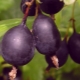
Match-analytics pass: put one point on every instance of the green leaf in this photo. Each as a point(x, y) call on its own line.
point(78, 1)
point(58, 17)
point(34, 70)
point(5, 25)
point(4, 5)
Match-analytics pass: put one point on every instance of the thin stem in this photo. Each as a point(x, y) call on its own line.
point(73, 9)
point(53, 16)
point(72, 18)
point(36, 14)
point(27, 11)
point(48, 68)
point(73, 24)
point(66, 35)
point(38, 11)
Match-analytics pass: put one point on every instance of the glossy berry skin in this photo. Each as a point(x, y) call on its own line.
point(6, 71)
point(18, 45)
point(51, 6)
point(74, 47)
point(23, 7)
point(46, 35)
point(61, 54)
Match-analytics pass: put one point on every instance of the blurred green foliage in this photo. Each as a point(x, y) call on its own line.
point(4, 3)
point(10, 16)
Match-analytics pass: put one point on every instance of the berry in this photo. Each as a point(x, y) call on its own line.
point(74, 47)
point(46, 35)
point(18, 45)
point(60, 57)
point(74, 44)
point(51, 6)
point(23, 7)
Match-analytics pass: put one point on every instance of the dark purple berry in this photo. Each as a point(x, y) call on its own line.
point(51, 6)
point(74, 47)
point(74, 44)
point(60, 57)
point(46, 35)
point(18, 45)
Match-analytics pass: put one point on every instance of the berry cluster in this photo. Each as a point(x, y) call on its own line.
point(19, 43)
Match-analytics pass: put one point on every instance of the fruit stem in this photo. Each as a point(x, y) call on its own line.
point(29, 4)
point(72, 18)
point(66, 35)
point(38, 11)
point(37, 7)
point(53, 16)
point(73, 24)
point(12, 73)
point(73, 10)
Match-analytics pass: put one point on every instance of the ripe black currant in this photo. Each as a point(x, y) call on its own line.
point(18, 45)
point(46, 34)
point(74, 46)
point(60, 57)
point(51, 6)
